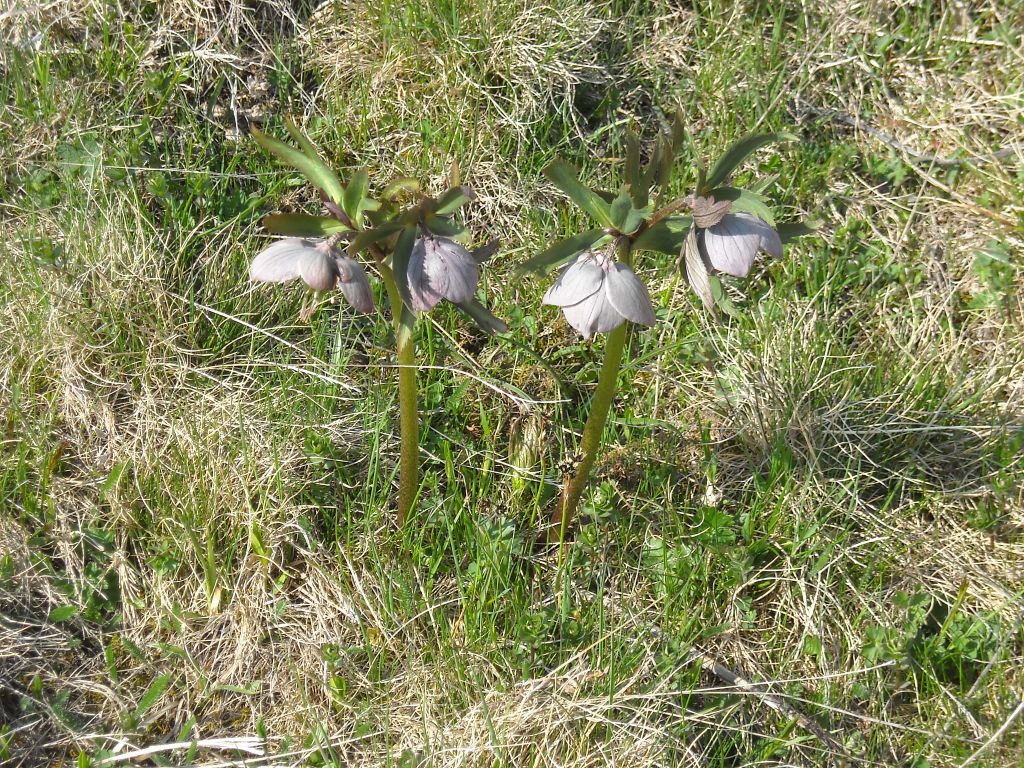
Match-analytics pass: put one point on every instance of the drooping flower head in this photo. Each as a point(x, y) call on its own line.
point(320, 266)
point(440, 268)
point(725, 242)
point(597, 294)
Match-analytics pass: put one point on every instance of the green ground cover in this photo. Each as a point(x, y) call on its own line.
point(822, 495)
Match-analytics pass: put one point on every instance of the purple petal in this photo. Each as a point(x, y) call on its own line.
point(423, 295)
point(580, 279)
point(355, 285)
point(696, 271)
point(731, 245)
point(595, 314)
point(281, 260)
point(628, 296)
point(319, 270)
point(770, 243)
point(452, 271)
point(440, 268)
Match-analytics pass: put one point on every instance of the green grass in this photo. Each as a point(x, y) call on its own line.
point(196, 491)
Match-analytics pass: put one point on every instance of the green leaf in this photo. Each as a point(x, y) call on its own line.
point(564, 250)
point(302, 225)
point(368, 237)
point(400, 266)
point(453, 199)
point(62, 613)
point(112, 479)
point(667, 236)
point(445, 227)
point(678, 131)
point(668, 157)
point(791, 230)
point(398, 186)
point(355, 194)
point(632, 170)
point(566, 178)
point(739, 151)
point(152, 695)
point(721, 298)
point(636, 217)
point(322, 177)
point(745, 201)
point(626, 217)
point(307, 146)
point(480, 315)
point(650, 174)
point(620, 209)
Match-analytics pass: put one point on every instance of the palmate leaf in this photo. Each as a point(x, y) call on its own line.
point(564, 250)
point(566, 178)
point(621, 206)
point(649, 177)
point(666, 236)
point(322, 177)
point(745, 201)
point(739, 151)
point(678, 130)
point(302, 225)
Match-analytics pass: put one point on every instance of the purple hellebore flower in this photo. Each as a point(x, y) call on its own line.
point(319, 265)
point(597, 294)
point(440, 268)
point(731, 245)
point(720, 241)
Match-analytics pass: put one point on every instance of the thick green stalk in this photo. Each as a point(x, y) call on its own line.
point(600, 404)
point(408, 468)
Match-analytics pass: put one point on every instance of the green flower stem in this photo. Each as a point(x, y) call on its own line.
point(600, 404)
point(408, 468)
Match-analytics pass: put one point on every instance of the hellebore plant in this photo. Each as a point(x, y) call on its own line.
point(715, 229)
point(410, 240)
